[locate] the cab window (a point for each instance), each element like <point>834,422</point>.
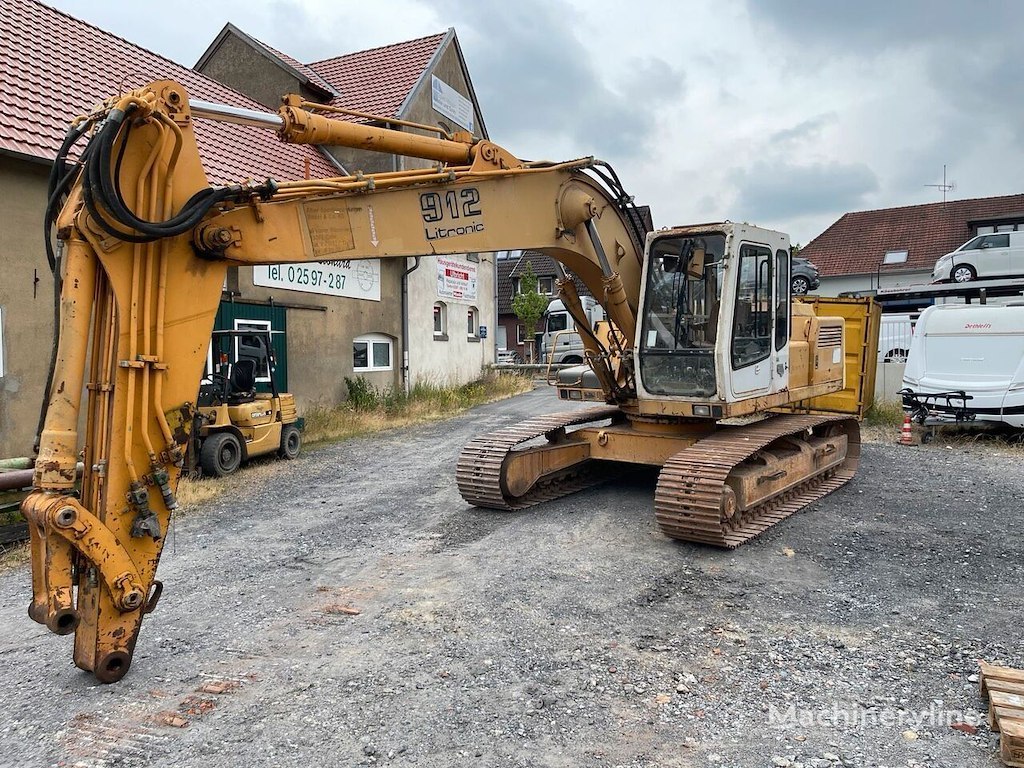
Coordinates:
<point>752,316</point>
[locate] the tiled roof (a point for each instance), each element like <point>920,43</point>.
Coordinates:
<point>858,241</point>
<point>54,67</point>
<point>543,266</point>
<point>379,80</point>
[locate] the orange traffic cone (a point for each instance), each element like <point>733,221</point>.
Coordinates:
<point>906,432</point>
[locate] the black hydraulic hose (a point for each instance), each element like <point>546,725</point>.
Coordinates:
<point>623,201</point>
<point>100,187</point>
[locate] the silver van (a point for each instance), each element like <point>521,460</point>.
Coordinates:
<point>999,254</point>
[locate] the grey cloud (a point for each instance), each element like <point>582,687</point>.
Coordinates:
<point>531,83</point>
<point>298,33</point>
<point>867,26</point>
<point>804,130</point>
<point>771,192</point>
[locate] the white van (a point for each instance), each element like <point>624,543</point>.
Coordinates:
<point>1000,254</point>
<point>977,349</point>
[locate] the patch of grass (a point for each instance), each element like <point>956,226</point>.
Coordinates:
<point>882,423</point>
<point>992,437</point>
<point>888,414</point>
<point>196,490</point>
<point>370,409</point>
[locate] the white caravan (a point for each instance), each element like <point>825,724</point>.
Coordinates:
<point>976,350</point>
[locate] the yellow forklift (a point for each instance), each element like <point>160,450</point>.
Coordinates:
<point>234,422</point>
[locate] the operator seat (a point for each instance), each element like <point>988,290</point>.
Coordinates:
<point>242,383</point>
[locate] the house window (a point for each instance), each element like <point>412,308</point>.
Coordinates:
<point>440,321</point>
<point>472,322</point>
<point>520,333</point>
<point>253,347</point>
<point>546,285</point>
<point>371,352</point>
<point>515,286</point>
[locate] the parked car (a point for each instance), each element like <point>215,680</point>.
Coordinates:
<point>999,254</point>
<point>804,276</point>
<point>507,356</point>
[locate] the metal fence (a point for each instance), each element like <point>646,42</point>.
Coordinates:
<point>894,338</point>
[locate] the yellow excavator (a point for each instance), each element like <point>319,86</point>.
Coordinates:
<point>701,355</point>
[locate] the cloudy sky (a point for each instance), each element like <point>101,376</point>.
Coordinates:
<point>784,113</point>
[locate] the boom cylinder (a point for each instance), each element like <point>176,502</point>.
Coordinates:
<point>302,127</point>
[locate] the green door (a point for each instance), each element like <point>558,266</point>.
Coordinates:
<point>232,316</point>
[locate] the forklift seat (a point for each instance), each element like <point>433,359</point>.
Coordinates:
<point>242,382</point>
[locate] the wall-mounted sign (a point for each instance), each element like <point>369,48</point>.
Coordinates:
<point>456,280</point>
<point>451,103</point>
<point>353,279</point>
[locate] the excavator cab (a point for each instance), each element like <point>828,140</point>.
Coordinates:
<point>715,324</point>
<point>234,422</point>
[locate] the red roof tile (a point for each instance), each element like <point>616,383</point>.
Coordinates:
<point>858,241</point>
<point>54,67</point>
<point>379,80</point>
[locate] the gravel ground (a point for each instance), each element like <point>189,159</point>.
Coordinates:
<point>570,635</point>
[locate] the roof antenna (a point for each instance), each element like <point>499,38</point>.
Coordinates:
<point>945,187</point>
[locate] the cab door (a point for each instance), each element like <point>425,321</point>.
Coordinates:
<point>783,312</point>
<point>751,358</point>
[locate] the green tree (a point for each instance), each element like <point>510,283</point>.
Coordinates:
<point>529,306</point>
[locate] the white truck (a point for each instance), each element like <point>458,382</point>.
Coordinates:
<point>966,363</point>
<point>559,343</point>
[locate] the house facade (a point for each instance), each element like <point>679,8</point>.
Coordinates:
<point>865,251</point>
<point>512,334</point>
<point>442,307</point>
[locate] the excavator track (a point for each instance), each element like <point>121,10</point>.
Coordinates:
<point>695,502</point>
<point>479,469</point>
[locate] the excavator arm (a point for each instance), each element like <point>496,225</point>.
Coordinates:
<point>145,244</point>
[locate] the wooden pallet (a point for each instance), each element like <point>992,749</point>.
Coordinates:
<point>1004,688</point>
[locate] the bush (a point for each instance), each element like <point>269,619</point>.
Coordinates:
<point>362,394</point>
